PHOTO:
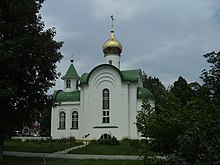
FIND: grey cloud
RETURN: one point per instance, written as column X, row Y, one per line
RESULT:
column 166, row 39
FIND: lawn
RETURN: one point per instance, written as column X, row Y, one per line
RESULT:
column 123, row 148
column 94, row 148
column 39, row 161
column 38, row 146
column 99, row 149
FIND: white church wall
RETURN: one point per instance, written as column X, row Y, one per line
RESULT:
column 68, row 108
column 132, row 111
column 100, row 79
column 122, row 114
column 123, row 108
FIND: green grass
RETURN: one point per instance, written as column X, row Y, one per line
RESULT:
column 39, row 161
column 37, row 146
column 98, row 149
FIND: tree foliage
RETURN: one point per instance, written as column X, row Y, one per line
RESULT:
column 211, row 77
column 187, row 125
column 28, row 55
column 157, row 89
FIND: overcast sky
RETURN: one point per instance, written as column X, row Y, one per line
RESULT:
column 164, row 38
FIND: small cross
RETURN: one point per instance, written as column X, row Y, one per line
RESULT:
column 112, row 22
column 72, row 60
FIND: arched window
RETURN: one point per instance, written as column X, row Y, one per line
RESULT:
column 105, row 136
column 62, row 120
column 68, row 84
column 75, row 120
column 105, row 106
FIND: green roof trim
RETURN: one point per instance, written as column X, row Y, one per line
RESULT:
column 61, row 96
column 144, row 93
column 106, row 126
column 126, row 75
column 71, row 73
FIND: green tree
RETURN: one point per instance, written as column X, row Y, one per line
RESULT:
column 45, row 122
column 211, row 77
column 157, row 89
column 187, row 125
column 200, row 144
column 204, row 133
column 166, row 125
column 28, row 55
column 182, row 90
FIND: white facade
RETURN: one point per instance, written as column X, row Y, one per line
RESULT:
column 107, row 102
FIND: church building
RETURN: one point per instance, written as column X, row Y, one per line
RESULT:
column 101, row 103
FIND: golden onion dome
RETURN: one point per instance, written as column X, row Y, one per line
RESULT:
column 112, row 46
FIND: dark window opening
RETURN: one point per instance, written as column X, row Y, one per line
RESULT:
column 105, row 106
column 68, row 84
column 62, row 120
column 75, row 120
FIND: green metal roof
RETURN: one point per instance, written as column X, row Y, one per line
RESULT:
column 131, row 75
column 61, row 96
column 144, row 93
column 126, row 75
column 83, row 79
column 71, row 73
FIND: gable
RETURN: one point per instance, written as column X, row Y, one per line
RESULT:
column 132, row 76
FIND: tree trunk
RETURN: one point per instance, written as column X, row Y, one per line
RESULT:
column 1, row 148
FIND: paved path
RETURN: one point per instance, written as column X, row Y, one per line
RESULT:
column 70, row 156
column 69, row 149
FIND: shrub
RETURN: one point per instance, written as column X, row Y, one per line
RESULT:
column 111, row 141
column 135, row 144
column 93, row 142
column 126, row 139
column 14, row 140
column 70, row 139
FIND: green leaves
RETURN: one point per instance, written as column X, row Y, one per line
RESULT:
column 211, row 77
column 28, row 56
column 186, row 120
